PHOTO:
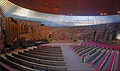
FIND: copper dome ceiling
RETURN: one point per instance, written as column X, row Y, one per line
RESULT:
column 71, row 7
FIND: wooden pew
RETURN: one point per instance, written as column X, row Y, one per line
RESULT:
column 118, row 67
column 107, row 62
column 114, row 67
column 42, row 57
column 87, row 44
column 92, row 56
column 15, row 65
column 42, row 51
column 35, row 65
column 50, row 53
column 54, row 50
column 98, row 45
column 40, row 61
column 118, row 47
column 94, row 44
column 101, row 46
column 89, row 53
column 48, row 48
column 100, row 65
column 45, row 54
column 91, row 44
column 109, row 47
column 76, row 47
column 97, row 58
column 4, row 67
column 84, row 51
column 45, row 51
column 92, row 51
column 84, row 44
column 110, row 65
column 113, row 47
column 79, row 50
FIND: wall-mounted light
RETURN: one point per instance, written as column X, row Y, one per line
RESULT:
column 118, row 12
column 118, row 37
column 103, row 14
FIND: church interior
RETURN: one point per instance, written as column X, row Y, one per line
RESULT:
column 59, row 35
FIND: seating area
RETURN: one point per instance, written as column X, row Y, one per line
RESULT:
column 36, row 59
column 100, row 56
column 5, row 67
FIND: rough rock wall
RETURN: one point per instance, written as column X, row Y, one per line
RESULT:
column 71, row 33
column 36, row 31
column 1, row 31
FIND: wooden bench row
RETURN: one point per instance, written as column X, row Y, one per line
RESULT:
column 87, row 44
column 105, row 60
column 110, row 65
column 100, row 65
column 118, row 67
column 47, row 49
column 101, row 45
column 75, row 47
column 84, row 51
column 116, row 62
column 78, row 48
column 45, row 54
column 50, row 52
column 44, row 51
column 42, row 57
column 88, row 53
column 35, row 65
column 92, row 51
column 50, row 48
column 97, row 58
column 15, row 65
column 90, row 57
column 40, row 61
column 4, row 67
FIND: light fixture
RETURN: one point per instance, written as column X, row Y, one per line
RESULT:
column 103, row 14
column 118, row 37
column 118, row 12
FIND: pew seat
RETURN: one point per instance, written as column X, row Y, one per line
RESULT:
column 97, row 58
column 45, row 54
column 16, row 65
column 100, row 65
column 35, row 65
column 44, row 51
column 42, row 57
column 4, row 67
column 40, row 61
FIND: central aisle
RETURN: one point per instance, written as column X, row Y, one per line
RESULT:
column 72, row 61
